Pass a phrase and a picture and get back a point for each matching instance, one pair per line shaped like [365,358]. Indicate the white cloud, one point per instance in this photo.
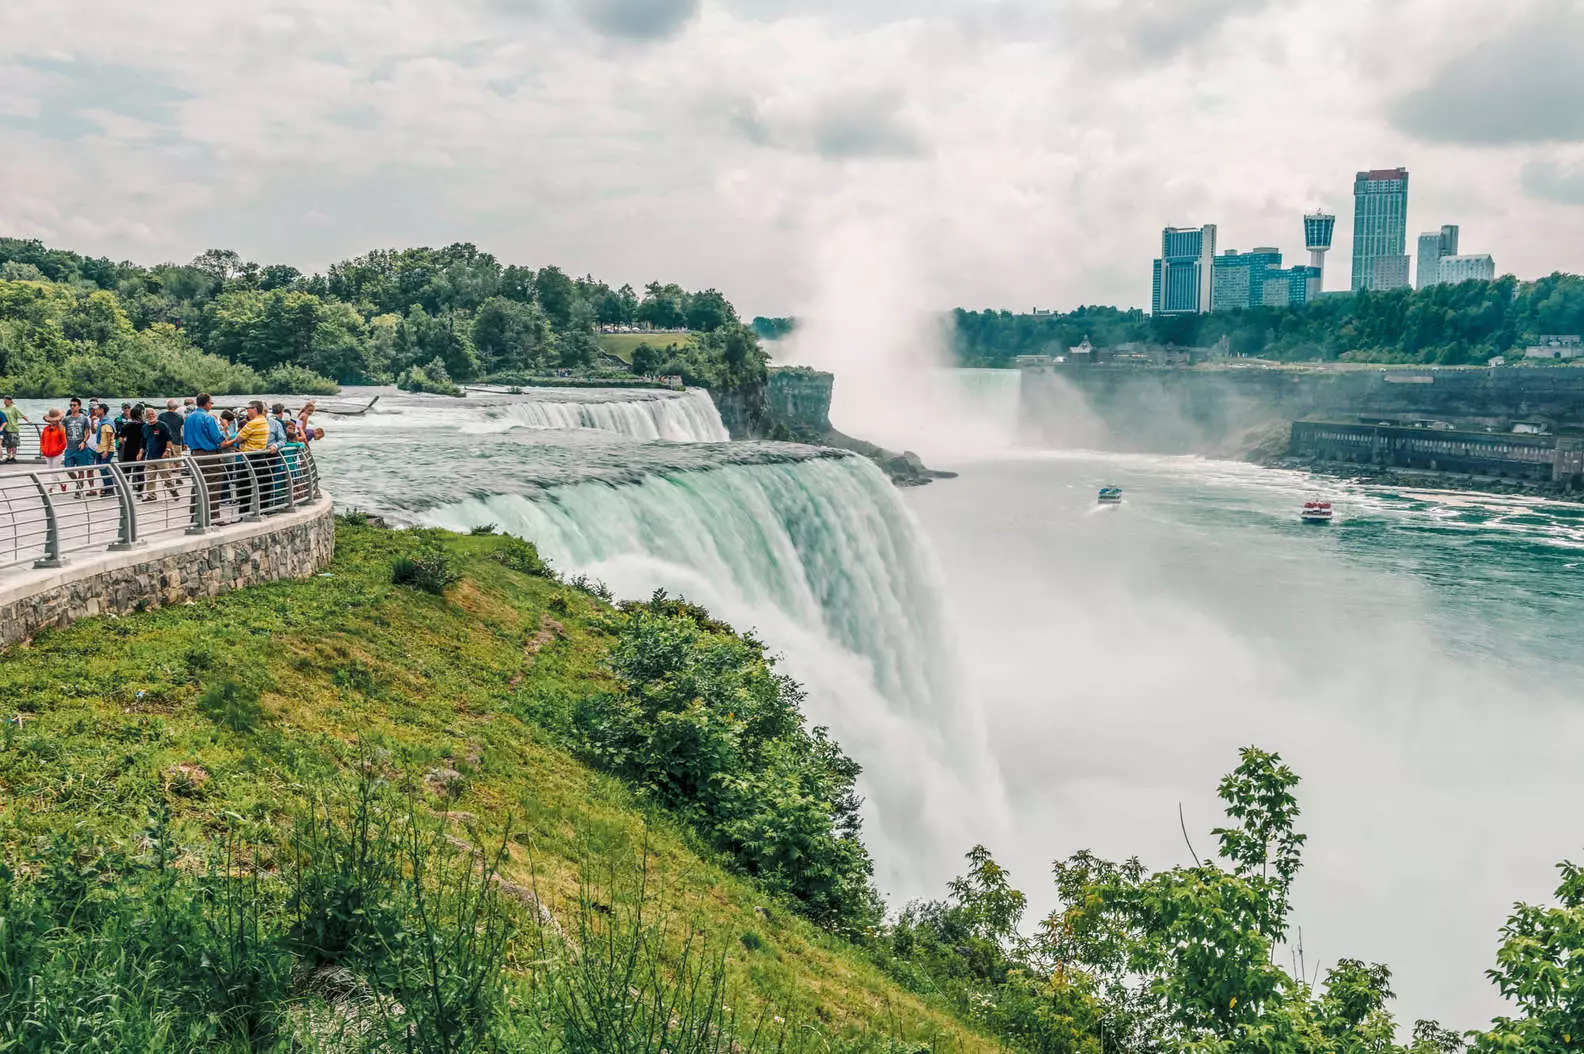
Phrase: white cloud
[1018,153]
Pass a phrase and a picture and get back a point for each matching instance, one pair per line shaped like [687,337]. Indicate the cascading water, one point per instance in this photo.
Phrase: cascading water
[682,417]
[823,559]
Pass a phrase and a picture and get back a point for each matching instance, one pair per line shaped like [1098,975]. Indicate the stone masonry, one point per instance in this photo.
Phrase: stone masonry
[168,571]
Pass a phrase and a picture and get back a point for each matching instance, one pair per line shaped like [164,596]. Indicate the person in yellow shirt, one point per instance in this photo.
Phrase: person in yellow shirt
[254,434]
[252,439]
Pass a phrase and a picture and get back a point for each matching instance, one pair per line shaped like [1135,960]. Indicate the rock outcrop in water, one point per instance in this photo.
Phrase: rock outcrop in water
[795,405]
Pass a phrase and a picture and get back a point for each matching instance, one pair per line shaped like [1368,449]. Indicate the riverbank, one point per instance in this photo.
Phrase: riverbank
[251,730]
[1424,480]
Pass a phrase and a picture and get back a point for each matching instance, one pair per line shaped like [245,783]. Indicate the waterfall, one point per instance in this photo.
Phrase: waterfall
[683,417]
[821,559]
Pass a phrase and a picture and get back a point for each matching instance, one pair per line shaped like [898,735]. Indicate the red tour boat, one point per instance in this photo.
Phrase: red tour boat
[1316,512]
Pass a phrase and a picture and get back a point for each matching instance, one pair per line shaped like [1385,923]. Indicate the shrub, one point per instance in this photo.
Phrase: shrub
[482,528]
[429,569]
[522,557]
[432,379]
[291,379]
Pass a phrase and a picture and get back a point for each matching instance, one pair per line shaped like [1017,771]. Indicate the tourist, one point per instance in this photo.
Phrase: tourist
[104,445]
[253,440]
[279,476]
[79,455]
[203,437]
[188,406]
[302,417]
[156,447]
[291,454]
[131,433]
[120,423]
[52,441]
[173,422]
[11,416]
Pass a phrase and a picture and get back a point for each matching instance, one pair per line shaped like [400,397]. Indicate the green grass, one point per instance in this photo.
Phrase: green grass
[234,713]
[622,344]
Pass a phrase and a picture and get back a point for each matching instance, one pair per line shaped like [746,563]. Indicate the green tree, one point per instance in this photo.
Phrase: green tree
[509,334]
[556,295]
[1540,967]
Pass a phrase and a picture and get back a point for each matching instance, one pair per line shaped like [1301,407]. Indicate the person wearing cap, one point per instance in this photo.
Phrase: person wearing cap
[52,441]
[120,422]
[11,416]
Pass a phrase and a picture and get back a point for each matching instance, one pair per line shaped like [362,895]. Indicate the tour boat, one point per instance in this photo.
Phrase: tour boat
[1316,512]
[1110,495]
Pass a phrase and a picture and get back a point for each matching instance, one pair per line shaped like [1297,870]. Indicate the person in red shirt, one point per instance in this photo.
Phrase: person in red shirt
[52,441]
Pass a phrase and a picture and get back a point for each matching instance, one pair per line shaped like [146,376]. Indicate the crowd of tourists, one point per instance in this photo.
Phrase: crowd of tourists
[148,442]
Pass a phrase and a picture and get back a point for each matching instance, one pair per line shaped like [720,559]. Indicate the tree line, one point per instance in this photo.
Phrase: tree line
[1462,324]
[455,314]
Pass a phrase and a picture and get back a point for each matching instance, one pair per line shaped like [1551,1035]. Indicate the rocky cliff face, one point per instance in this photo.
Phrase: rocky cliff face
[1228,412]
[795,405]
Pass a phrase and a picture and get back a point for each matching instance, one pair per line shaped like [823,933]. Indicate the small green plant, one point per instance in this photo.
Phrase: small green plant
[200,658]
[429,570]
[522,557]
[233,704]
[483,528]
[593,587]
[356,518]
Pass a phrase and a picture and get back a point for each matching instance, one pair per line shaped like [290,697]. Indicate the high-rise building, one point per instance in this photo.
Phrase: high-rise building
[1433,245]
[1295,285]
[1380,225]
[1184,278]
[1240,277]
[1318,228]
[1453,269]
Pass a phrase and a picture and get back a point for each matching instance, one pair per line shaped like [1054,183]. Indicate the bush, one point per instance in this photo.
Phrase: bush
[291,379]
[709,727]
[482,528]
[522,557]
[429,569]
[432,379]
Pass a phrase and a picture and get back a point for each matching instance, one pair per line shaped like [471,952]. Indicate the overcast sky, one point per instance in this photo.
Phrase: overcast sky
[987,153]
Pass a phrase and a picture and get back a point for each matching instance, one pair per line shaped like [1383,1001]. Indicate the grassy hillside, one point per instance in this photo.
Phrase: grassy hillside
[622,344]
[205,732]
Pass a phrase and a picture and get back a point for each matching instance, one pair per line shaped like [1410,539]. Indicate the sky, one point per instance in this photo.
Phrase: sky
[989,153]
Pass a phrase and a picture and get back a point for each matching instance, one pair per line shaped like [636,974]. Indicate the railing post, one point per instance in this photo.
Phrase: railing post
[251,514]
[312,468]
[290,483]
[200,524]
[129,531]
[52,542]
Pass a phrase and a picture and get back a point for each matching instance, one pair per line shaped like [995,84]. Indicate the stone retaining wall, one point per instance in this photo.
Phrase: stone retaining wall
[168,571]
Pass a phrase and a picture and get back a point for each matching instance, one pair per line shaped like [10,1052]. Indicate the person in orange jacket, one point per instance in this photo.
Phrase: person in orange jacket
[52,441]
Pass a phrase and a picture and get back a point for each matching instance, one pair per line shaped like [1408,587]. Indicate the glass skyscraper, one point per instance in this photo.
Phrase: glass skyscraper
[1240,277]
[1184,275]
[1380,229]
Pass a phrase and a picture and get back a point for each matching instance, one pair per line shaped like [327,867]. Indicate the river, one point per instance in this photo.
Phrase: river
[1013,664]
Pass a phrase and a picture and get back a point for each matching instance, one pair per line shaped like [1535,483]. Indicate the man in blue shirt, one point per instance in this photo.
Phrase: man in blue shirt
[201,436]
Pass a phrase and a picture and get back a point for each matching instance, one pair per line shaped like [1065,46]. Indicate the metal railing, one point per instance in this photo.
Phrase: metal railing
[28,435]
[48,514]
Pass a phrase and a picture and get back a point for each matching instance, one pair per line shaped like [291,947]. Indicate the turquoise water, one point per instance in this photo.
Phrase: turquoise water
[1418,662]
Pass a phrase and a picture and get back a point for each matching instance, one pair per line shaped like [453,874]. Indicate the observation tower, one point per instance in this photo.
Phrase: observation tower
[1318,228]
